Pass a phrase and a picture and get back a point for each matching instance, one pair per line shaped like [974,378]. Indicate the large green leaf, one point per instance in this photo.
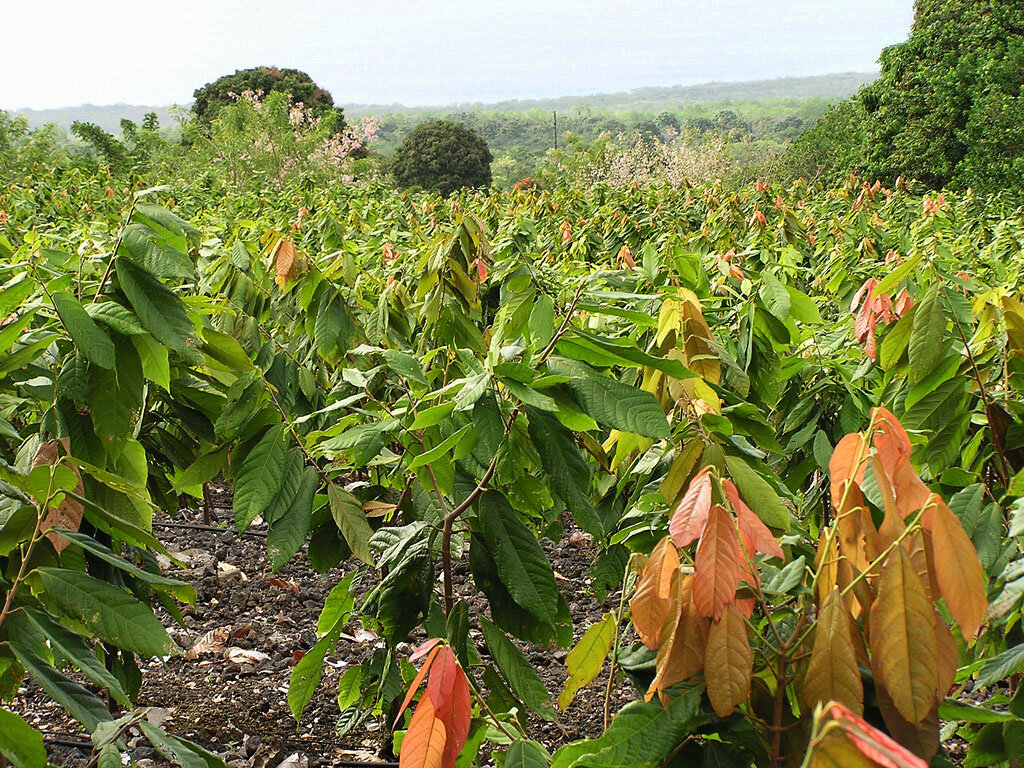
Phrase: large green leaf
[927,333]
[522,678]
[111,614]
[348,513]
[87,335]
[522,565]
[288,533]
[758,494]
[641,735]
[115,395]
[566,469]
[82,705]
[21,744]
[774,296]
[611,402]
[74,649]
[527,754]
[260,477]
[159,310]
[142,245]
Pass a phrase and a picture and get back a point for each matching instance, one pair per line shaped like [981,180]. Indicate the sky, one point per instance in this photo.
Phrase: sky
[64,53]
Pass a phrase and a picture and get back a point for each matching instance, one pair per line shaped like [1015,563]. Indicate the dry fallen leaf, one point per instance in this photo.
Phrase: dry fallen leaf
[378,508]
[212,642]
[288,586]
[245,656]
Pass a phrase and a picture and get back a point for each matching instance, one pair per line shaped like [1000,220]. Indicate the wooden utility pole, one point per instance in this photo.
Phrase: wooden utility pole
[554,121]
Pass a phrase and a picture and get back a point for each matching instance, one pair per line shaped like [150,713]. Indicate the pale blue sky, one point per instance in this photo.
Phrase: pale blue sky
[67,52]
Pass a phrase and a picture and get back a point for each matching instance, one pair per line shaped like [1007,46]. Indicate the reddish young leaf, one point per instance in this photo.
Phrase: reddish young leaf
[456,716]
[717,566]
[691,514]
[433,648]
[424,742]
[442,678]
[846,740]
[681,653]
[652,601]
[958,571]
[759,534]
[728,662]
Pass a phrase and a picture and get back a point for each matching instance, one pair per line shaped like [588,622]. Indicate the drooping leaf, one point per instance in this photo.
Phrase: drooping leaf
[87,335]
[348,513]
[260,477]
[758,494]
[517,671]
[728,662]
[903,645]
[424,742]
[584,662]
[717,565]
[926,336]
[691,514]
[566,469]
[652,601]
[112,614]
[832,674]
[960,576]
[21,744]
[159,310]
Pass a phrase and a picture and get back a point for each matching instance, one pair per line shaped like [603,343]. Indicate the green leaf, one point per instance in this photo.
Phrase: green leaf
[337,606]
[758,494]
[291,479]
[641,736]
[522,565]
[584,662]
[405,365]
[14,294]
[180,589]
[171,228]
[21,744]
[613,403]
[517,671]
[75,650]
[117,318]
[177,750]
[774,296]
[112,614]
[307,673]
[896,339]
[88,337]
[260,477]
[802,307]
[1009,662]
[952,709]
[115,396]
[589,347]
[927,333]
[527,754]
[288,533]
[202,470]
[141,244]
[333,330]
[159,310]
[891,281]
[86,708]
[442,449]
[347,511]
[565,468]
[155,360]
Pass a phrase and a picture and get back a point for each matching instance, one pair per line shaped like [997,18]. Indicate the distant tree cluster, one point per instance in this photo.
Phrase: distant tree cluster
[299,86]
[947,110]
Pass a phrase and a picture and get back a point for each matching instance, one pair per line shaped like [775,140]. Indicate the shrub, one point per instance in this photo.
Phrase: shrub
[442,157]
[835,146]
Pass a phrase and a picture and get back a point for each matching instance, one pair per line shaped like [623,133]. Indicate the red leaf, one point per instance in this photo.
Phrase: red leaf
[716,568]
[691,514]
[762,539]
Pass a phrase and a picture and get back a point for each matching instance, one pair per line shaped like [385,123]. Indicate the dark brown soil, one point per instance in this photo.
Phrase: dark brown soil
[234,702]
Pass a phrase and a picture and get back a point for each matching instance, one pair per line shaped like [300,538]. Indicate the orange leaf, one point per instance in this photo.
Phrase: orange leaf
[760,536]
[716,568]
[728,662]
[958,571]
[456,715]
[832,674]
[903,644]
[892,524]
[691,514]
[948,657]
[681,653]
[424,742]
[286,265]
[414,686]
[652,602]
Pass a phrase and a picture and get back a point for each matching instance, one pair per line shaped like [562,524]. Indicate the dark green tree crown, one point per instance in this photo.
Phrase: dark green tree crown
[443,157]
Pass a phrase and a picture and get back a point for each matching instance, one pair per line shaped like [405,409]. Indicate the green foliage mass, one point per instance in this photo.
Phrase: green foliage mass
[442,157]
[299,87]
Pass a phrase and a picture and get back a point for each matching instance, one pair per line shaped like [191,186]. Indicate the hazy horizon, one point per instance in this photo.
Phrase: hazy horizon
[437,53]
